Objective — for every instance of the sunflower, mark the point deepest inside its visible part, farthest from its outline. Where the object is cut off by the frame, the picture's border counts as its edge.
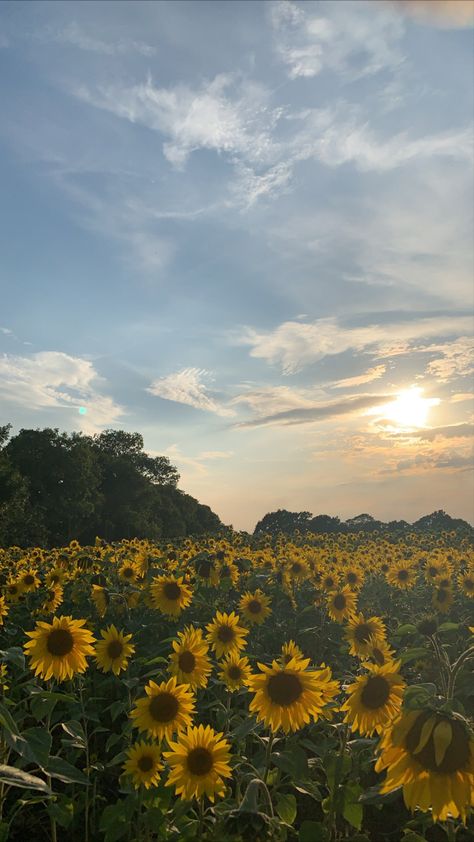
(255, 607)
(55, 577)
(466, 583)
(112, 653)
(401, 575)
(330, 582)
(442, 600)
(359, 631)
(286, 697)
(379, 651)
(100, 598)
(432, 757)
(297, 569)
(289, 651)
(354, 578)
(143, 764)
(225, 635)
(54, 598)
(59, 648)
(3, 609)
(199, 763)
(374, 699)
(329, 689)
(170, 595)
(128, 572)
(189, 661)
(235, 671)
(29, 581)
(341, 604)
(13, 591)
(168, 707)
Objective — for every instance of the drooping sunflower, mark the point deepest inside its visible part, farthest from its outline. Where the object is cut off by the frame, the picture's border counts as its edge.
(286, 697)
(167, 707)
(255, 607)
(100, 598)
(235, 671)
(29, 581)
(3, 609)
(54, 598)
(55, 577)
(189, 662)
(143, 764)
(112, 653)
(432, 757)
(401, 575)
(359, 631)
(199, 763)
(466, 583)
(442, 599)
(170, 595)
(59, 648)
(225, 635)
(341, 604)
(374, 699)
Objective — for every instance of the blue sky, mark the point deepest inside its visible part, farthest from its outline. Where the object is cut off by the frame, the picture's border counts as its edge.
(244, 229)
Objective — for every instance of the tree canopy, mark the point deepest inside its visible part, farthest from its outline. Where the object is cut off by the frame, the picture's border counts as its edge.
(57, 486)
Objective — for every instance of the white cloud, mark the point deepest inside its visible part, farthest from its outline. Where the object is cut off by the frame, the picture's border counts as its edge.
(6, 331)
(293, 345)
(187, 387)
(196, 464)
(268, 400)
(371, 374)
(456, 360)
(73, 35)
(352, 39)
(52, 379)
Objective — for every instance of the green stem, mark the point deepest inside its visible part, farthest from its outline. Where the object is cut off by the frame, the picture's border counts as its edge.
(268, 757)
(332, 817)
(86, 741)
(456, 667)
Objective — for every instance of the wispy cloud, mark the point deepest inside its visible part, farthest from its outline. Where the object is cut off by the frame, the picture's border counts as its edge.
(318, 412)
(196, 464)
(370, 375)
(52, 379)
(73, 35)
(188, 387)
(456, 359)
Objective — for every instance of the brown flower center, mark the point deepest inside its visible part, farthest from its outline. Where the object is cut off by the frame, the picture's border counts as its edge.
(172, 590)
(128, 572)
(284, 688)
(403, 575)
(296, 567)
(200, 761)
(362, 632)
(163, 707)
(254, 606)
(339, 602)
(186, 661)
(441, 595)
(29, 579)
(457, 754)
(145, 763)
(378, 656)
(329, 582)
(114, 649)
(60, 642)
(225, 634)
(234, 673)
(432, 571)
(352, 578)
(375, 693)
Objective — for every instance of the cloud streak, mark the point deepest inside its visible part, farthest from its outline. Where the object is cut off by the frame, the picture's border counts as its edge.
(188, 387)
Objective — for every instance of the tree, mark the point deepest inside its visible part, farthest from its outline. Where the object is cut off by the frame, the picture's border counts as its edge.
(283, 521)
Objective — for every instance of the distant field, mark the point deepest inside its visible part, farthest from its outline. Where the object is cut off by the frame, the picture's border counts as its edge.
(314, 689)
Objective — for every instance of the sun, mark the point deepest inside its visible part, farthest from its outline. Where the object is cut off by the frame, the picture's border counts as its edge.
(409, 409)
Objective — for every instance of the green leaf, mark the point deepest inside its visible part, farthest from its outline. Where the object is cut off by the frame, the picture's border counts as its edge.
(313, 832)
(411, 836)
(372, 795)
(406, 628)
(353, 813)
(17, 777)
(13, 655)
(286, 807)
(75, 730)
(246, 727)
(114, 822)
(293, 761)
(62, 811)
(6, 719)
(414, 654)
(64, 771)
(38, 742)
(447, 627)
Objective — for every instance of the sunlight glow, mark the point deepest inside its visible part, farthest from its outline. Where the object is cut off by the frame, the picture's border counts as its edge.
(410, 409)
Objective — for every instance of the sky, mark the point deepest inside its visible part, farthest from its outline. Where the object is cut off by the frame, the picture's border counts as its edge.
(244, 229)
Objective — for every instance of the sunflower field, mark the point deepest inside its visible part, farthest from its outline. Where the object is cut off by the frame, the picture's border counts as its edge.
(317, 688)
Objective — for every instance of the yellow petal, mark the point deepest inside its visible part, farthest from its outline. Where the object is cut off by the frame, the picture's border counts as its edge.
(425, 734)
(442, 736)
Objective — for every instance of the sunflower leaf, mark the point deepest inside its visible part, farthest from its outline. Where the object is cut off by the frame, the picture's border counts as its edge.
(17, 777)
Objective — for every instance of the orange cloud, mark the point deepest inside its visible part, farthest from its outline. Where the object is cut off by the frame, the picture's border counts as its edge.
(443, 13)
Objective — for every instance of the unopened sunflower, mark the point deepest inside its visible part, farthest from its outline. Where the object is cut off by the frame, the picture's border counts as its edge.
(255, 607)
(189, 661)
(199, 762)
(112, 653)
(167, 707)
(170, 595)
(374, 699)
(235, 671)
(431, 756)
(286, 697)
(143, 764)
(359, 632)
(59, 649)
(225, 635)
(341, 604)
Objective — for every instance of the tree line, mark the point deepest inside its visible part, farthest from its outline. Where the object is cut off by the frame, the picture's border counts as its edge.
(55, 487)
(289, 522)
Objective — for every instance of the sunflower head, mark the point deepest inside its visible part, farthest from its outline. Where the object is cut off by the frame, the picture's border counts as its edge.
(199, 762)
(375, 699)
(225, 635)
(170, 595)
(360, 631)
(166, 708)
(255, 607)
(286, 697)
(143, 764)
(235, 671)
(59, 649)
(113, 651)
(189, 661)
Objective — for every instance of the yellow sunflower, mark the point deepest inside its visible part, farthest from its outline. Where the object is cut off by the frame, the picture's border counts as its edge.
(466, 583)
(341, 604)
(442, 599)
(189, 662)
(255, 607)
(401, 575)
(3, 609)
(128, 572)
(167, 707)
(286, 697)
(359, 631)
(54, 598)
(225, 635)
(55, 577)
(235, 671)
(374, 699)
(170, 595)
(330, 581)
(143, 764)
(379, 651)
(29, 581)
(289, 651)
(329, 689)
(100, 598)
(13, 591)
(354, 577)
(112, 653)
(59, 648)
(432, 757)
(199, 763)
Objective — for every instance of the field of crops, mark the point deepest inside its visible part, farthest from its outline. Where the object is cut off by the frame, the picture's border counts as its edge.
(313, 689)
